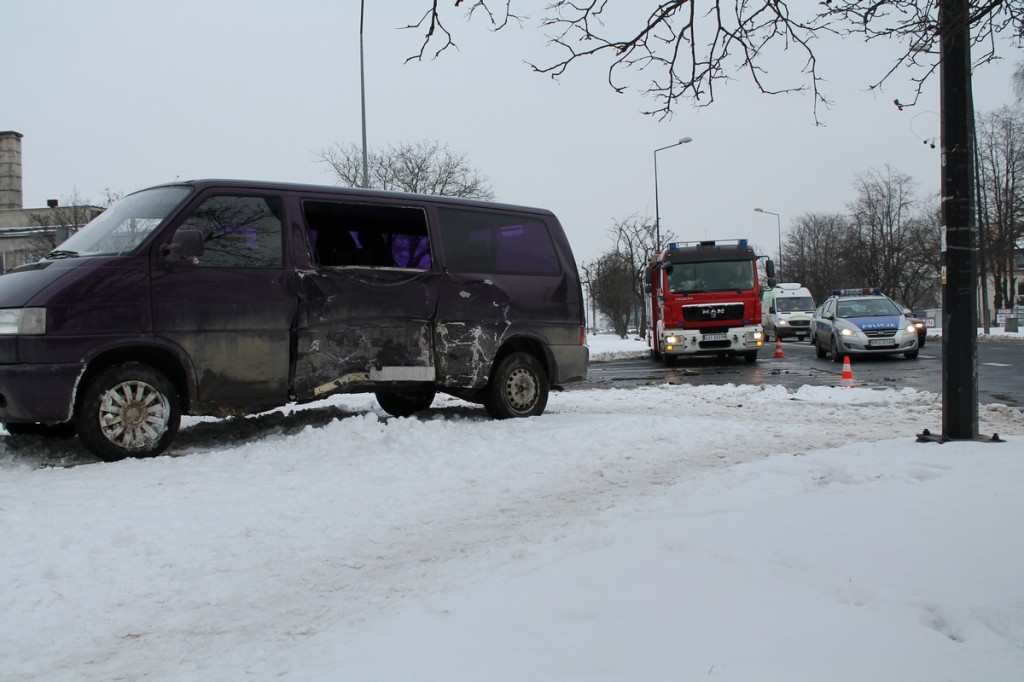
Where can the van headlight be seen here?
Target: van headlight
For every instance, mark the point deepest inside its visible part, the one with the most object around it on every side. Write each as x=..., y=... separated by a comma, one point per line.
x=22, y=321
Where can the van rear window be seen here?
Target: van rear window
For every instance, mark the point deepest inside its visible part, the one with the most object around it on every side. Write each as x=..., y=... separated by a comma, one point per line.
x=500, y=243
x=369, y=235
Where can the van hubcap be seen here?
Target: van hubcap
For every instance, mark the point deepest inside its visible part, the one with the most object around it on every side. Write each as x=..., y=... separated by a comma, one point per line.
x=133, y=415
x=521, y=389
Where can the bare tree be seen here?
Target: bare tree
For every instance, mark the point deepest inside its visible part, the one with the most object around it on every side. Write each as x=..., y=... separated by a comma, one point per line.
x=61, y=221
x=885, y=217
x=684, y=48
x=815, y=251
x=612, y=288
x=636, y=239
x=418, y=167
x=1001, y=161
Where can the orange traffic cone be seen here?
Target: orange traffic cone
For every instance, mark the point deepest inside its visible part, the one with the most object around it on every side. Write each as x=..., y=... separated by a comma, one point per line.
x=847, y=372
x=778, y=348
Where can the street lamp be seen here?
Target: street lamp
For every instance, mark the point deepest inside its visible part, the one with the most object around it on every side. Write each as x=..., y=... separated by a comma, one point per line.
x=362, y=92
x=657, y=214
x=778, y=224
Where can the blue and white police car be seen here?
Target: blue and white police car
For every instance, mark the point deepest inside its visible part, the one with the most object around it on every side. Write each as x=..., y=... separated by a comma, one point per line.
x=862, y=322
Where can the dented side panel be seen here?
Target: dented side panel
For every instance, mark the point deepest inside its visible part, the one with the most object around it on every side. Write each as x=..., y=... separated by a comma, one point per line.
x=360, y=327
x=472, y=322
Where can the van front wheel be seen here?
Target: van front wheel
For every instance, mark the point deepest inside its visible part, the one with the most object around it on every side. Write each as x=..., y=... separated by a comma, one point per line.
x=518, y=388
x=128, y=410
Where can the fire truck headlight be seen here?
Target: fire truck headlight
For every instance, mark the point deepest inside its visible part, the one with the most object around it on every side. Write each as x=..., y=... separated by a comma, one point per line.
x=673, y=340
x=757, y=336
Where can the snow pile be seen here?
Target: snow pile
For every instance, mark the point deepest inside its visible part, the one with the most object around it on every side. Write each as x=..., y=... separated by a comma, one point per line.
x=662, y=533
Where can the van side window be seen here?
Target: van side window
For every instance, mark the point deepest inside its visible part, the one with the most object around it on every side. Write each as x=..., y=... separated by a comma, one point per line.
x=238, y=232
x=500, y=243
x=368, y=235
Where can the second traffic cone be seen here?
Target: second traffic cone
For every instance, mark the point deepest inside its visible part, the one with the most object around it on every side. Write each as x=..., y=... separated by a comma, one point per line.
x=778, y=348
x=847, y=372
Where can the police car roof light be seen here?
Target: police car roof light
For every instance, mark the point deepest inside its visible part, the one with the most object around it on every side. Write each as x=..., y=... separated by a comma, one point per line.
x=857, y=292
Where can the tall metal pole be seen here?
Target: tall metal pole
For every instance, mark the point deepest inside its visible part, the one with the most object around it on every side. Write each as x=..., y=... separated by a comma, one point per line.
x=362, y=92
x=657, y=212
x=778, y=226
x=959, y=299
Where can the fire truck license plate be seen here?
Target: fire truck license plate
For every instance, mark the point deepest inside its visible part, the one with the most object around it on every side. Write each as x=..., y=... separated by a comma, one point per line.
x=881, y=342
x=715, y=337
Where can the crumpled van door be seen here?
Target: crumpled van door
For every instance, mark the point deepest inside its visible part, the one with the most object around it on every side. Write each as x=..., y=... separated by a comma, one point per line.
x=359, y=327
x=368, y=303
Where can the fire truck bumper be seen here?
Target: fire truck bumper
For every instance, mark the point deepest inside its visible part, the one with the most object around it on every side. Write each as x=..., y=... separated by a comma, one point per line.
x=733, y=341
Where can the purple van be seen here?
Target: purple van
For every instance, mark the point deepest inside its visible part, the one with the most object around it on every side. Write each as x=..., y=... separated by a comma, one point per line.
x=224, y=297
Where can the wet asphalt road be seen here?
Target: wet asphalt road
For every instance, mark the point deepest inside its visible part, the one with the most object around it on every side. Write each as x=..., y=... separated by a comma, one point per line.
x=1000, y=370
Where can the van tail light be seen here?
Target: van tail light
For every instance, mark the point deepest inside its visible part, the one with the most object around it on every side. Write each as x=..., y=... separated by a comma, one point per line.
x=583, y=334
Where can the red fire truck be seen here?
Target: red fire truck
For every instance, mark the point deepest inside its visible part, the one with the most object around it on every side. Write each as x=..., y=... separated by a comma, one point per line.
x=704, y=299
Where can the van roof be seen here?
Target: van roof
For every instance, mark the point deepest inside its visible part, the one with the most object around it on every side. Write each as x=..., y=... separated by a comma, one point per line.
x=227, y=183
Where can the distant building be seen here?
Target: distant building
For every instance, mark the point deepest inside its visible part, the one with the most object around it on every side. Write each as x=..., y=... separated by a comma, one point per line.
x=27, y=234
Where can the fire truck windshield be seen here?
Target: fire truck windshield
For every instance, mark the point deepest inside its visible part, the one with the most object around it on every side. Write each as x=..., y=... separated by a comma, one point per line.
x=710, y=276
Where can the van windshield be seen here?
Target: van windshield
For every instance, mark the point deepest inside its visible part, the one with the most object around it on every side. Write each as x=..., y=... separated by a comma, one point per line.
x=122, y=227
x=792, y=304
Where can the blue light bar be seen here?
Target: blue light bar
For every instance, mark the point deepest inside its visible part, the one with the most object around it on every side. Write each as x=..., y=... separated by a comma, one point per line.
x=857, y=292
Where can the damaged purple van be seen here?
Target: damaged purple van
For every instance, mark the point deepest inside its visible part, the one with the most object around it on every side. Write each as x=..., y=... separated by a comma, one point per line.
x=224, y=297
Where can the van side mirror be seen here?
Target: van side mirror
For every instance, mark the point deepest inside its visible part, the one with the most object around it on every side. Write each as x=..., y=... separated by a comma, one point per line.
x=186, y=245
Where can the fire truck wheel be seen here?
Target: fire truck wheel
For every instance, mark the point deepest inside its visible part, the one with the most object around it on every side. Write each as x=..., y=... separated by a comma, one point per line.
x=750, y=357
x=668, y=360
x=518, y=388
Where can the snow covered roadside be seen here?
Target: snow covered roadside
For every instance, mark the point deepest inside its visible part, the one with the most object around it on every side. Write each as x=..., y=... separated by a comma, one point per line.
x=661, y=533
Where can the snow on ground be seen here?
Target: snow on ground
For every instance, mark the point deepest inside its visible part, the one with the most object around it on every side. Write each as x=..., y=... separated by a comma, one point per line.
x=661, y=533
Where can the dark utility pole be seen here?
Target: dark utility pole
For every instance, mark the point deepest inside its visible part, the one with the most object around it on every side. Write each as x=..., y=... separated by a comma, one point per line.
x=959, y=291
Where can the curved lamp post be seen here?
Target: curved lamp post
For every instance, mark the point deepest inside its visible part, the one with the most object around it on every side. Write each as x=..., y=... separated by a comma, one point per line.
x=657, y=213
x=778, y=224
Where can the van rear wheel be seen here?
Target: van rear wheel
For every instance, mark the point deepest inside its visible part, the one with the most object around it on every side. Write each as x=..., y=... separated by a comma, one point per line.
x=518, y=388
x=128, y=410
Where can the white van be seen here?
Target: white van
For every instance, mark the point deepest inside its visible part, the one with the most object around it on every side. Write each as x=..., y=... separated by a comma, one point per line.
x=786, y=310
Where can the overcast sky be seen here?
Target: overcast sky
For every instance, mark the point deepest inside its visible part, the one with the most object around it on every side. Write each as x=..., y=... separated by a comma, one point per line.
x=123, y=94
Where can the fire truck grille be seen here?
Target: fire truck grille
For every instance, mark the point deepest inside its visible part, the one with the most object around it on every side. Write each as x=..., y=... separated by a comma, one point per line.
x=720, y=312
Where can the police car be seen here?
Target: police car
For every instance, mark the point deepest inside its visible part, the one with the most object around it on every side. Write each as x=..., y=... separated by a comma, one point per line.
x=862, y=322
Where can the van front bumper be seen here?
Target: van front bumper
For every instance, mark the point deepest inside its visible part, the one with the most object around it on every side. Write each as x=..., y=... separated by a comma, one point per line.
x=38, y=393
